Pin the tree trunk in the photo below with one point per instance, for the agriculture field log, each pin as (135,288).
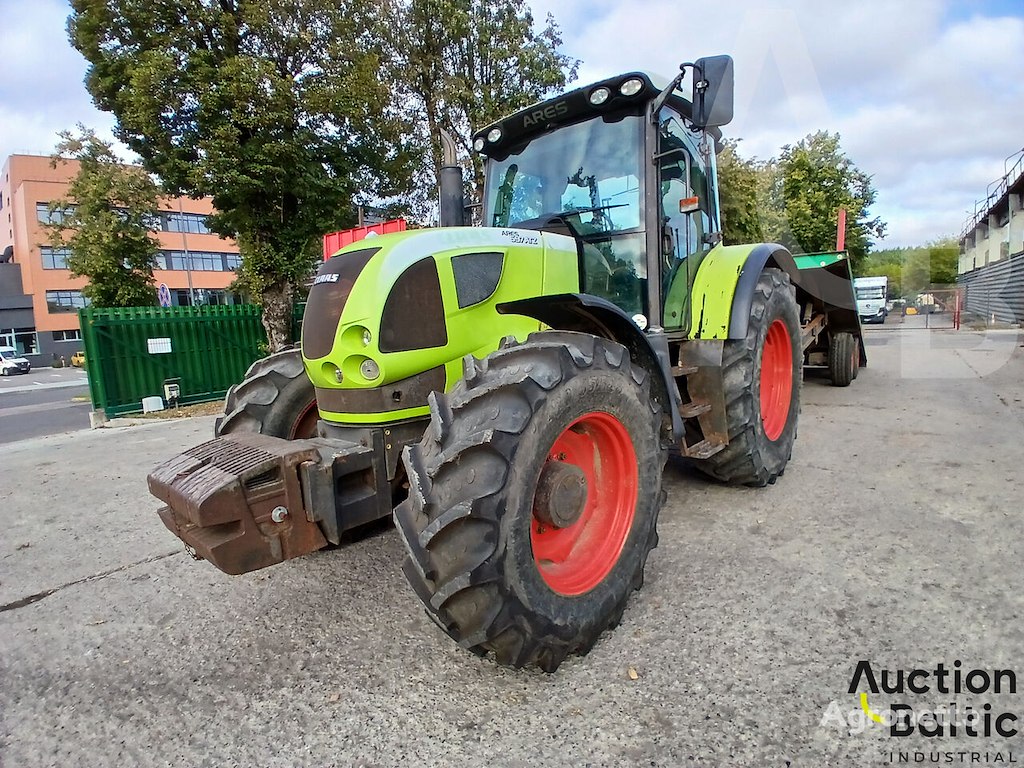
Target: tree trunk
(277,316)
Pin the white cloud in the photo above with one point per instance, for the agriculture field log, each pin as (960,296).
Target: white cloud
(927,95)
(927,103)
(42,90)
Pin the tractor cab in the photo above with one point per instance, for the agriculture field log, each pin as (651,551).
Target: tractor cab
(622,167)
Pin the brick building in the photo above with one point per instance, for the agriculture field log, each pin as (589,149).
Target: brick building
(39,300)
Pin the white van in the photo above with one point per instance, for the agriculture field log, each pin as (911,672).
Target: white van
(12,362)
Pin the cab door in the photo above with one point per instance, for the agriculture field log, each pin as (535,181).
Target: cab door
(684,216)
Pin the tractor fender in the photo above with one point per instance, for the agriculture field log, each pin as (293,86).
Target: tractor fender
(591,314)
(723,288)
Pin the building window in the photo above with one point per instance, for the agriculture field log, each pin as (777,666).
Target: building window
(45,215)
(65,301)
(180,297)
(190,223)
(197,261)
(54,258)
(22,339)
(72,335)
(208,262)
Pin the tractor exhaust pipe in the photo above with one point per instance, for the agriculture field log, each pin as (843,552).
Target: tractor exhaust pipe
(451,205)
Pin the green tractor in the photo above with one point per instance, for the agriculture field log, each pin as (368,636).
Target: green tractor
(510,392)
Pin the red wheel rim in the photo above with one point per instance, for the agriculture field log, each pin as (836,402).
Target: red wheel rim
(575,559)
(305,425)
(776,379)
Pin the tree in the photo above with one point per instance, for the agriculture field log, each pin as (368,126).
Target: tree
(466,63)
(817,181)
(913,270)
(943,260)
(885,263)
(739,191)
(105,221)
(274,108)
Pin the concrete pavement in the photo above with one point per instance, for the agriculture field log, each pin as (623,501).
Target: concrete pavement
(894,536)
(43,378)
(43,402)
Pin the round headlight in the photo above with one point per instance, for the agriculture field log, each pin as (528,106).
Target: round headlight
(494,135)
(367,338)
(369,369)
(599,96)
(478,145)
(631,87)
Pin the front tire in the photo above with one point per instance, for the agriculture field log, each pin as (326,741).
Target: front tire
(762,374)
(534,498)
(275,398)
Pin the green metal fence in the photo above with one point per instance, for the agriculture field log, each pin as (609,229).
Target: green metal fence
(130,352)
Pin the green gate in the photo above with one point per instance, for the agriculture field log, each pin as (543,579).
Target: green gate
(131,351)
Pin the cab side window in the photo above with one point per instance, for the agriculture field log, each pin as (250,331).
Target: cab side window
(683,214)
(682,180)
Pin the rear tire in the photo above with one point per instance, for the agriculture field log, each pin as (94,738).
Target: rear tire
(275,398)
(762,375)
(505,568)
(843,359)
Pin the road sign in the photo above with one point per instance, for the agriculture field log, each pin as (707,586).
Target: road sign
(163,294)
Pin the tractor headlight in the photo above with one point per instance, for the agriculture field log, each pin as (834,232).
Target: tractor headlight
(631,87)
(369,369)
(478,145)
(599,96)
(494,135)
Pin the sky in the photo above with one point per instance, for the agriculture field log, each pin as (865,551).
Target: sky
(927,95)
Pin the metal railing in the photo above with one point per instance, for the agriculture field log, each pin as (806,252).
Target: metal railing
(995,191)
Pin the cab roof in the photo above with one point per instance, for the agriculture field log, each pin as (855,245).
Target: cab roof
(576,106)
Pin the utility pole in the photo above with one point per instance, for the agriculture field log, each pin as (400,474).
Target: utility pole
(188,258)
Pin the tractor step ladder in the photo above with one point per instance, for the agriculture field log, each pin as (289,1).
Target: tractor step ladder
(702,450)
(694,408)
(691,413)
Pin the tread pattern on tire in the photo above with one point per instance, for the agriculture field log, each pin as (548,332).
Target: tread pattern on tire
(744,459)
(270,398)
(450,522)
(840,359)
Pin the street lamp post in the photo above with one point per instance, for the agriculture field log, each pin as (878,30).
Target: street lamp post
(188,258)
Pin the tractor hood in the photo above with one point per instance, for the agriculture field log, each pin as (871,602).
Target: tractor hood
(390,318)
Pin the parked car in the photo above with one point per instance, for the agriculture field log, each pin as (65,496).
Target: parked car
(12,362)
(78,359)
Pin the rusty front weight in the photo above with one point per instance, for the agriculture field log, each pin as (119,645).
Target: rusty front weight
(237,500)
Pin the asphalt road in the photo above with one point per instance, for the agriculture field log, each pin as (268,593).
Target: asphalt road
(895,536)
(43,402)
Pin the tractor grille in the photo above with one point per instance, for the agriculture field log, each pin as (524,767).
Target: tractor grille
(327,297)
(413,316)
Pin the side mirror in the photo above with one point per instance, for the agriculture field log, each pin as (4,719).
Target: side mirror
(713,85)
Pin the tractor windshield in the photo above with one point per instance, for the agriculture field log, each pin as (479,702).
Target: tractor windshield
(590,175)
